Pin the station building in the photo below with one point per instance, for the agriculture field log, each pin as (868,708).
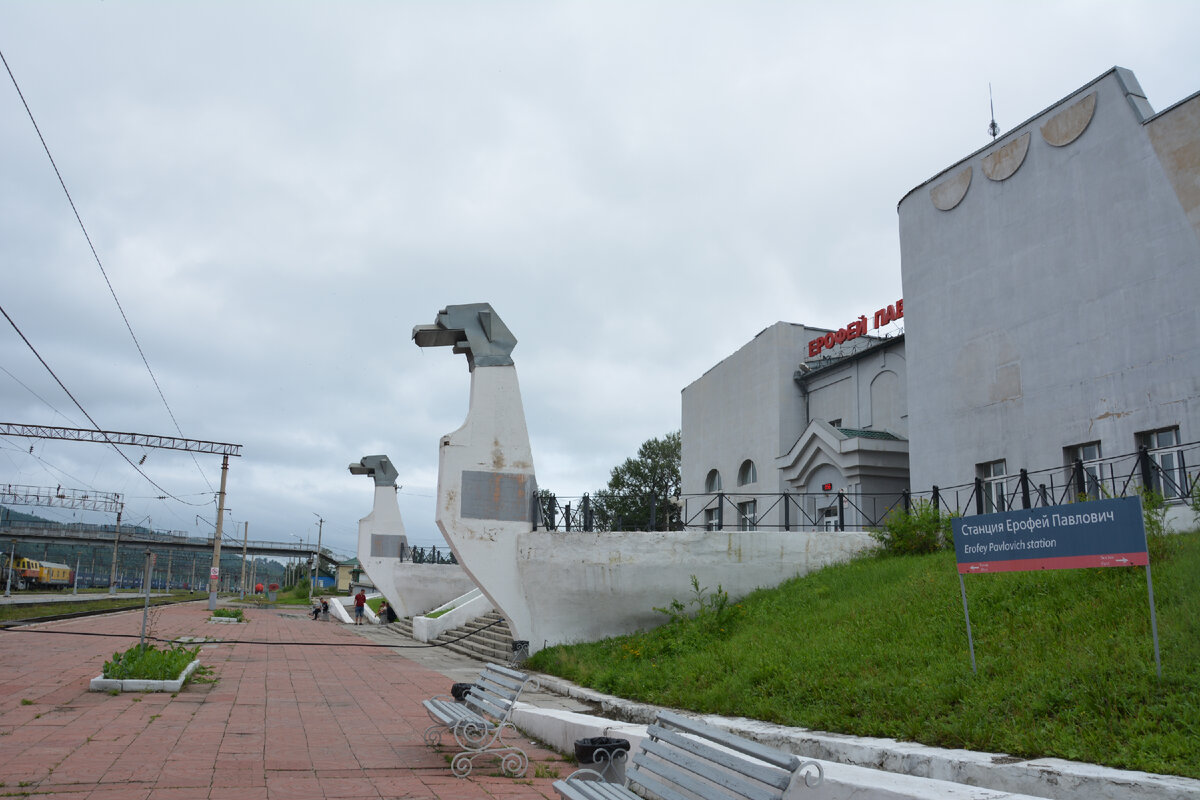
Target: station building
(1051,283)
(779,434)
(1053,279)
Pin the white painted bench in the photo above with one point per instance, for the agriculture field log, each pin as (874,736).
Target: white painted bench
(682,759)
(478,722)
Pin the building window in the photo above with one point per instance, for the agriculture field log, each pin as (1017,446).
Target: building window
(1167,476)
(1089,455)
(712,519)
(748,473)
(712,484)
(835,423)
(748,515)
(993,473)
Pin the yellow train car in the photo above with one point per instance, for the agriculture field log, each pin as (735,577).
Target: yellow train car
(30,574)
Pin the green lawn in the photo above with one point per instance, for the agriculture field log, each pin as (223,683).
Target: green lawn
(878,647)
(125,600)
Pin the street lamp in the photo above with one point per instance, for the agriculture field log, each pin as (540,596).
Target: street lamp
(300,541)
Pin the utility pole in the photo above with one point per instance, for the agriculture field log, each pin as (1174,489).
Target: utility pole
(215,573)
(245,534)
(316,557)
(112,578)
(11,556)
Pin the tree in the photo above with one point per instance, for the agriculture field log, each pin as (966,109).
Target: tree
(641,485)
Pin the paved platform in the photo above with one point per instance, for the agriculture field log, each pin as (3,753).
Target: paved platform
(315,711)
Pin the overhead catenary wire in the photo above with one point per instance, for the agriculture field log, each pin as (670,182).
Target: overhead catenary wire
(103,272)
(83,410)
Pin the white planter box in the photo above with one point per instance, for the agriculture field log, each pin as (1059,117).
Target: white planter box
(103,684)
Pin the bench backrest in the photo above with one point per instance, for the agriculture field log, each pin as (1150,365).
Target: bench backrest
(494,693)
(682,759)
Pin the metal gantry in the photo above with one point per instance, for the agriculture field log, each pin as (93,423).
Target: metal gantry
(119,437)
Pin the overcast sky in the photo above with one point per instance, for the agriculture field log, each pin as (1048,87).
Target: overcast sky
(279,191)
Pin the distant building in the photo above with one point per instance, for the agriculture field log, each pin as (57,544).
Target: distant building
(1053,283)
(351,573)
(810,412)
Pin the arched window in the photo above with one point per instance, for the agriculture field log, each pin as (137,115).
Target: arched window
(713,482)
(748,473)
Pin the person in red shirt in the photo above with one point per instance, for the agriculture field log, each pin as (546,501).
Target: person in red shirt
(360,606)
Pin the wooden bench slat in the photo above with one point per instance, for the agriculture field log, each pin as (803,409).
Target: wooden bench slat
(575,789)
(697,775)
(666,791)
(770,755)
(763,773)
(519,677)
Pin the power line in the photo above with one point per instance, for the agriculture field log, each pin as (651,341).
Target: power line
(45,402)
(78,405)
(96,256)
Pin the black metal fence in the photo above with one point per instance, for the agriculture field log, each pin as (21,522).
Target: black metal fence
(427,555)
(1164,472)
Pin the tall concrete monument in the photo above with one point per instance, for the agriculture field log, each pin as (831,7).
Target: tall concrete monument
(383,547)
(566,587)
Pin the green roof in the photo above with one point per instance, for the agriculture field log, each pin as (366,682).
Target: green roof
(861,434)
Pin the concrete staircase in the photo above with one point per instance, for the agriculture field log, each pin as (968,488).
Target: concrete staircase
(487,638)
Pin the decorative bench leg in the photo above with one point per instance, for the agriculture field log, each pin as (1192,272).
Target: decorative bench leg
(433,734)
(513,761)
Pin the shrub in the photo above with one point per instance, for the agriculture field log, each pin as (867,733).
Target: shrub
(922,529)
(231,613)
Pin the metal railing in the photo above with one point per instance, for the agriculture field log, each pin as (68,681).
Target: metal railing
(1163,471)
(427,555)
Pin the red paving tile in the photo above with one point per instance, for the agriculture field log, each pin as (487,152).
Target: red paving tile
(297,710)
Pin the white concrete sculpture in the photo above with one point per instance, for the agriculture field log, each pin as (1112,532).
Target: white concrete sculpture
(385,556)
(566,587)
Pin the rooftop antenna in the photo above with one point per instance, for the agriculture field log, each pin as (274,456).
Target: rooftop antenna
(993,128)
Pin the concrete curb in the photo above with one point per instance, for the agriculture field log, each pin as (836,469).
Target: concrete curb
(103,684)
(884,768)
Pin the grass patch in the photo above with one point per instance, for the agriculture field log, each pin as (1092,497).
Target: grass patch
(878,647)
(150,663)
(436,614)
(31,610)
(230,613)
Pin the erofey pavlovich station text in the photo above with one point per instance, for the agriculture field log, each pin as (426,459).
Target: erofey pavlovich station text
(1098,533)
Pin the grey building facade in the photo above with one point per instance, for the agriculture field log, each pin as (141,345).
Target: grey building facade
(1052,284)
(1052,280)
(800,429)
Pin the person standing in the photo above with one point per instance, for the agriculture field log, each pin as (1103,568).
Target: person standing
(360,606)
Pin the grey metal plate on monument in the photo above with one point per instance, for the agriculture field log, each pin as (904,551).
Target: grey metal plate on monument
(505,496)
(386,545)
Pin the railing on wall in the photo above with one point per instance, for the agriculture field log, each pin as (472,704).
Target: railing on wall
(427,555)
(1119,476)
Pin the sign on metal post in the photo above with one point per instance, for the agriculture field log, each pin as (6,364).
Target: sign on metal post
(1099,533)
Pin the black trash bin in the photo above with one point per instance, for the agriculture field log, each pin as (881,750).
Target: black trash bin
(605,755)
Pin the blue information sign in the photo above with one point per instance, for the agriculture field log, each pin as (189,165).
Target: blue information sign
(1099,533)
